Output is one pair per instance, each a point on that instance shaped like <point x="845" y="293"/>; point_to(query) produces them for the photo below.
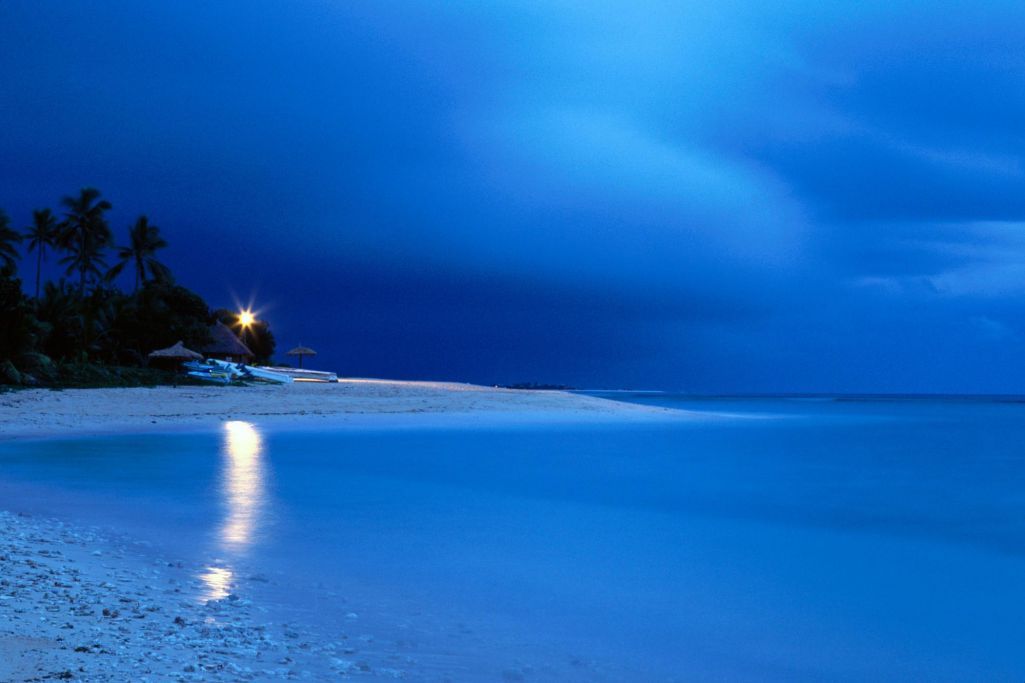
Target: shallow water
<point x="758" y="540"/>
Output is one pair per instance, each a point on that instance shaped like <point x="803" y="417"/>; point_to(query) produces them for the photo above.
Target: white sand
<point x="79" y="604"/>
<point x="43" y="412"/>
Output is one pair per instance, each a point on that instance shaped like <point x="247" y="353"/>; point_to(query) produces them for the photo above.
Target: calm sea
<point x="751" y="540"/>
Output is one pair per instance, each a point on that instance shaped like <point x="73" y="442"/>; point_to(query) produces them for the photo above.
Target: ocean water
<point x="749" y="540"/>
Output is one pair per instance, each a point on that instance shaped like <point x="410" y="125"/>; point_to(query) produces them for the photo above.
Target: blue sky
<point x="707" y="196"/>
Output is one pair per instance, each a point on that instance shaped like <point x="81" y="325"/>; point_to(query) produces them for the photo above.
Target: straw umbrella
<point x="176" y="352"/>
<point x="301" y="351"/>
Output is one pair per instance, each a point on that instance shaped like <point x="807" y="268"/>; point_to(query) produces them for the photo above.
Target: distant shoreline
<point x="813" y="396"/>
<point x="42" y="413"/>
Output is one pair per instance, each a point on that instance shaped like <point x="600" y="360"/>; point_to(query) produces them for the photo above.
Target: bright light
<point x="245" y="318"/>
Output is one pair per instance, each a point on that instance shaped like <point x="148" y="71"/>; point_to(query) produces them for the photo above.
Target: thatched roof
<point x="225" y="343"/>
<point x="301" y="351"/>
<point x="177" y="352"/>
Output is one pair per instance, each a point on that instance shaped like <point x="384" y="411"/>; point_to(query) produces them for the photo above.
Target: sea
<point x="741" y="539"/>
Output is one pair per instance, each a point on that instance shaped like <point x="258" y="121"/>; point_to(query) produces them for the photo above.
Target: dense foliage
<point x="86" y="331"/>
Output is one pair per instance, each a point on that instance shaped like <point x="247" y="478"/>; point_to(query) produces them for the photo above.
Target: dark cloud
<point x="715" y="196"/>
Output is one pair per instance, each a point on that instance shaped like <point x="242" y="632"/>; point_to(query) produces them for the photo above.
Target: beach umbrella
<point x="301" y="351"/>
<point x="176" y="352"/>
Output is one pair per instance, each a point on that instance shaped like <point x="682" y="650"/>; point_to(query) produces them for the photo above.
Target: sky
<point x="711" y="197"/>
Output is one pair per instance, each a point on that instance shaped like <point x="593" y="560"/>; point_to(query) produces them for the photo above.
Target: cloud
<point x="994" y="330"/>
<point x="702" y="194"/>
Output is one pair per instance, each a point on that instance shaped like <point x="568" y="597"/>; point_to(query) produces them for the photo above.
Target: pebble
<point x="110" y="625"/>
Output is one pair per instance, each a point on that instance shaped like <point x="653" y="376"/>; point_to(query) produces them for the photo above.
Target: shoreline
<point x="364" y="403"/>
<point x="94" y="603"/>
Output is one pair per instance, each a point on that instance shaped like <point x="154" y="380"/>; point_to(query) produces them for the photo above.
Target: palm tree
<point x="8" y="238"/>
<point x="144" y="242"/>
<point x="87" y="260"/>
<point x="43" y="233"/>
<point x="59" y="310"/>
<point x="85" y="234"/>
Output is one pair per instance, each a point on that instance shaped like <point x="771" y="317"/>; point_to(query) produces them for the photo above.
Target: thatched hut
<point x="226" y="345"/>
<point x="176" y="352"/>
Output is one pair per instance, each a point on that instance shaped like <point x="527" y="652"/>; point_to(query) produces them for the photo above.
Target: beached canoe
<point x="206" y="376"/>
<point x="207" y="371"/>
<point x="203" y="366"/>
<point x="303" y="375"/>
<point x="248" y="371"/>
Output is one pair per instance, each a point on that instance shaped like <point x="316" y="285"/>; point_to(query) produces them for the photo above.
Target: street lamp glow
<point x="245" y="318"/>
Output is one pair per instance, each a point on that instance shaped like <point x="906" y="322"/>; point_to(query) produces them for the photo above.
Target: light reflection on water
<point x="243" y="491"/>
<point x="218" y="583"/>
<point x="242" y="484"/>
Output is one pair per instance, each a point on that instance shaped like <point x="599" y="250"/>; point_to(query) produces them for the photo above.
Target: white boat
<point x="243" y="371"/>
<point x="302" y="375"/>
<point x="270" y="376"/>
<point x="217" y="377"/>
<point x="208" y="372"/>
<point x="230" y="368"/>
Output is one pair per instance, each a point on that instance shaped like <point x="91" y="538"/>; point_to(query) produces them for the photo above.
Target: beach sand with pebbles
<point x="78" y="604"/>
<point x="83" y="603"/>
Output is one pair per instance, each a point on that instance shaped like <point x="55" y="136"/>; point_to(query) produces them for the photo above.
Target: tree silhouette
<point x="8" y="238"/>
<point x="43" y="233"/>
<point x="144" y="242"/>
<point x="85" y="234"/>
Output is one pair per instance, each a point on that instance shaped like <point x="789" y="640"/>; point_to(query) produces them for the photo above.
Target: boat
<point x="250" y="372"/>
<point x="201" y="366"/>
<point x="302" y="375"/>
<point x="268" y="375"/>
<point x="216" y="377"/>
<point x="207" y="372"/>
<point x="232" y="369"/>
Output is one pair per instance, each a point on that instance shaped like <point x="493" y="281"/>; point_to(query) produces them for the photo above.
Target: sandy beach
<point x="44" y="412"/>
<point x="85" y="603"/>
<point x="454" y="534"/>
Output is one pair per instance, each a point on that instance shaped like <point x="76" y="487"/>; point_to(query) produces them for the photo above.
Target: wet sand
<point x="78" y="605"/>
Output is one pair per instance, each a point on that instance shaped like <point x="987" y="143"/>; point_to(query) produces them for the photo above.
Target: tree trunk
<point x="39" y="266"/>
<point x="81" y="267"/>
